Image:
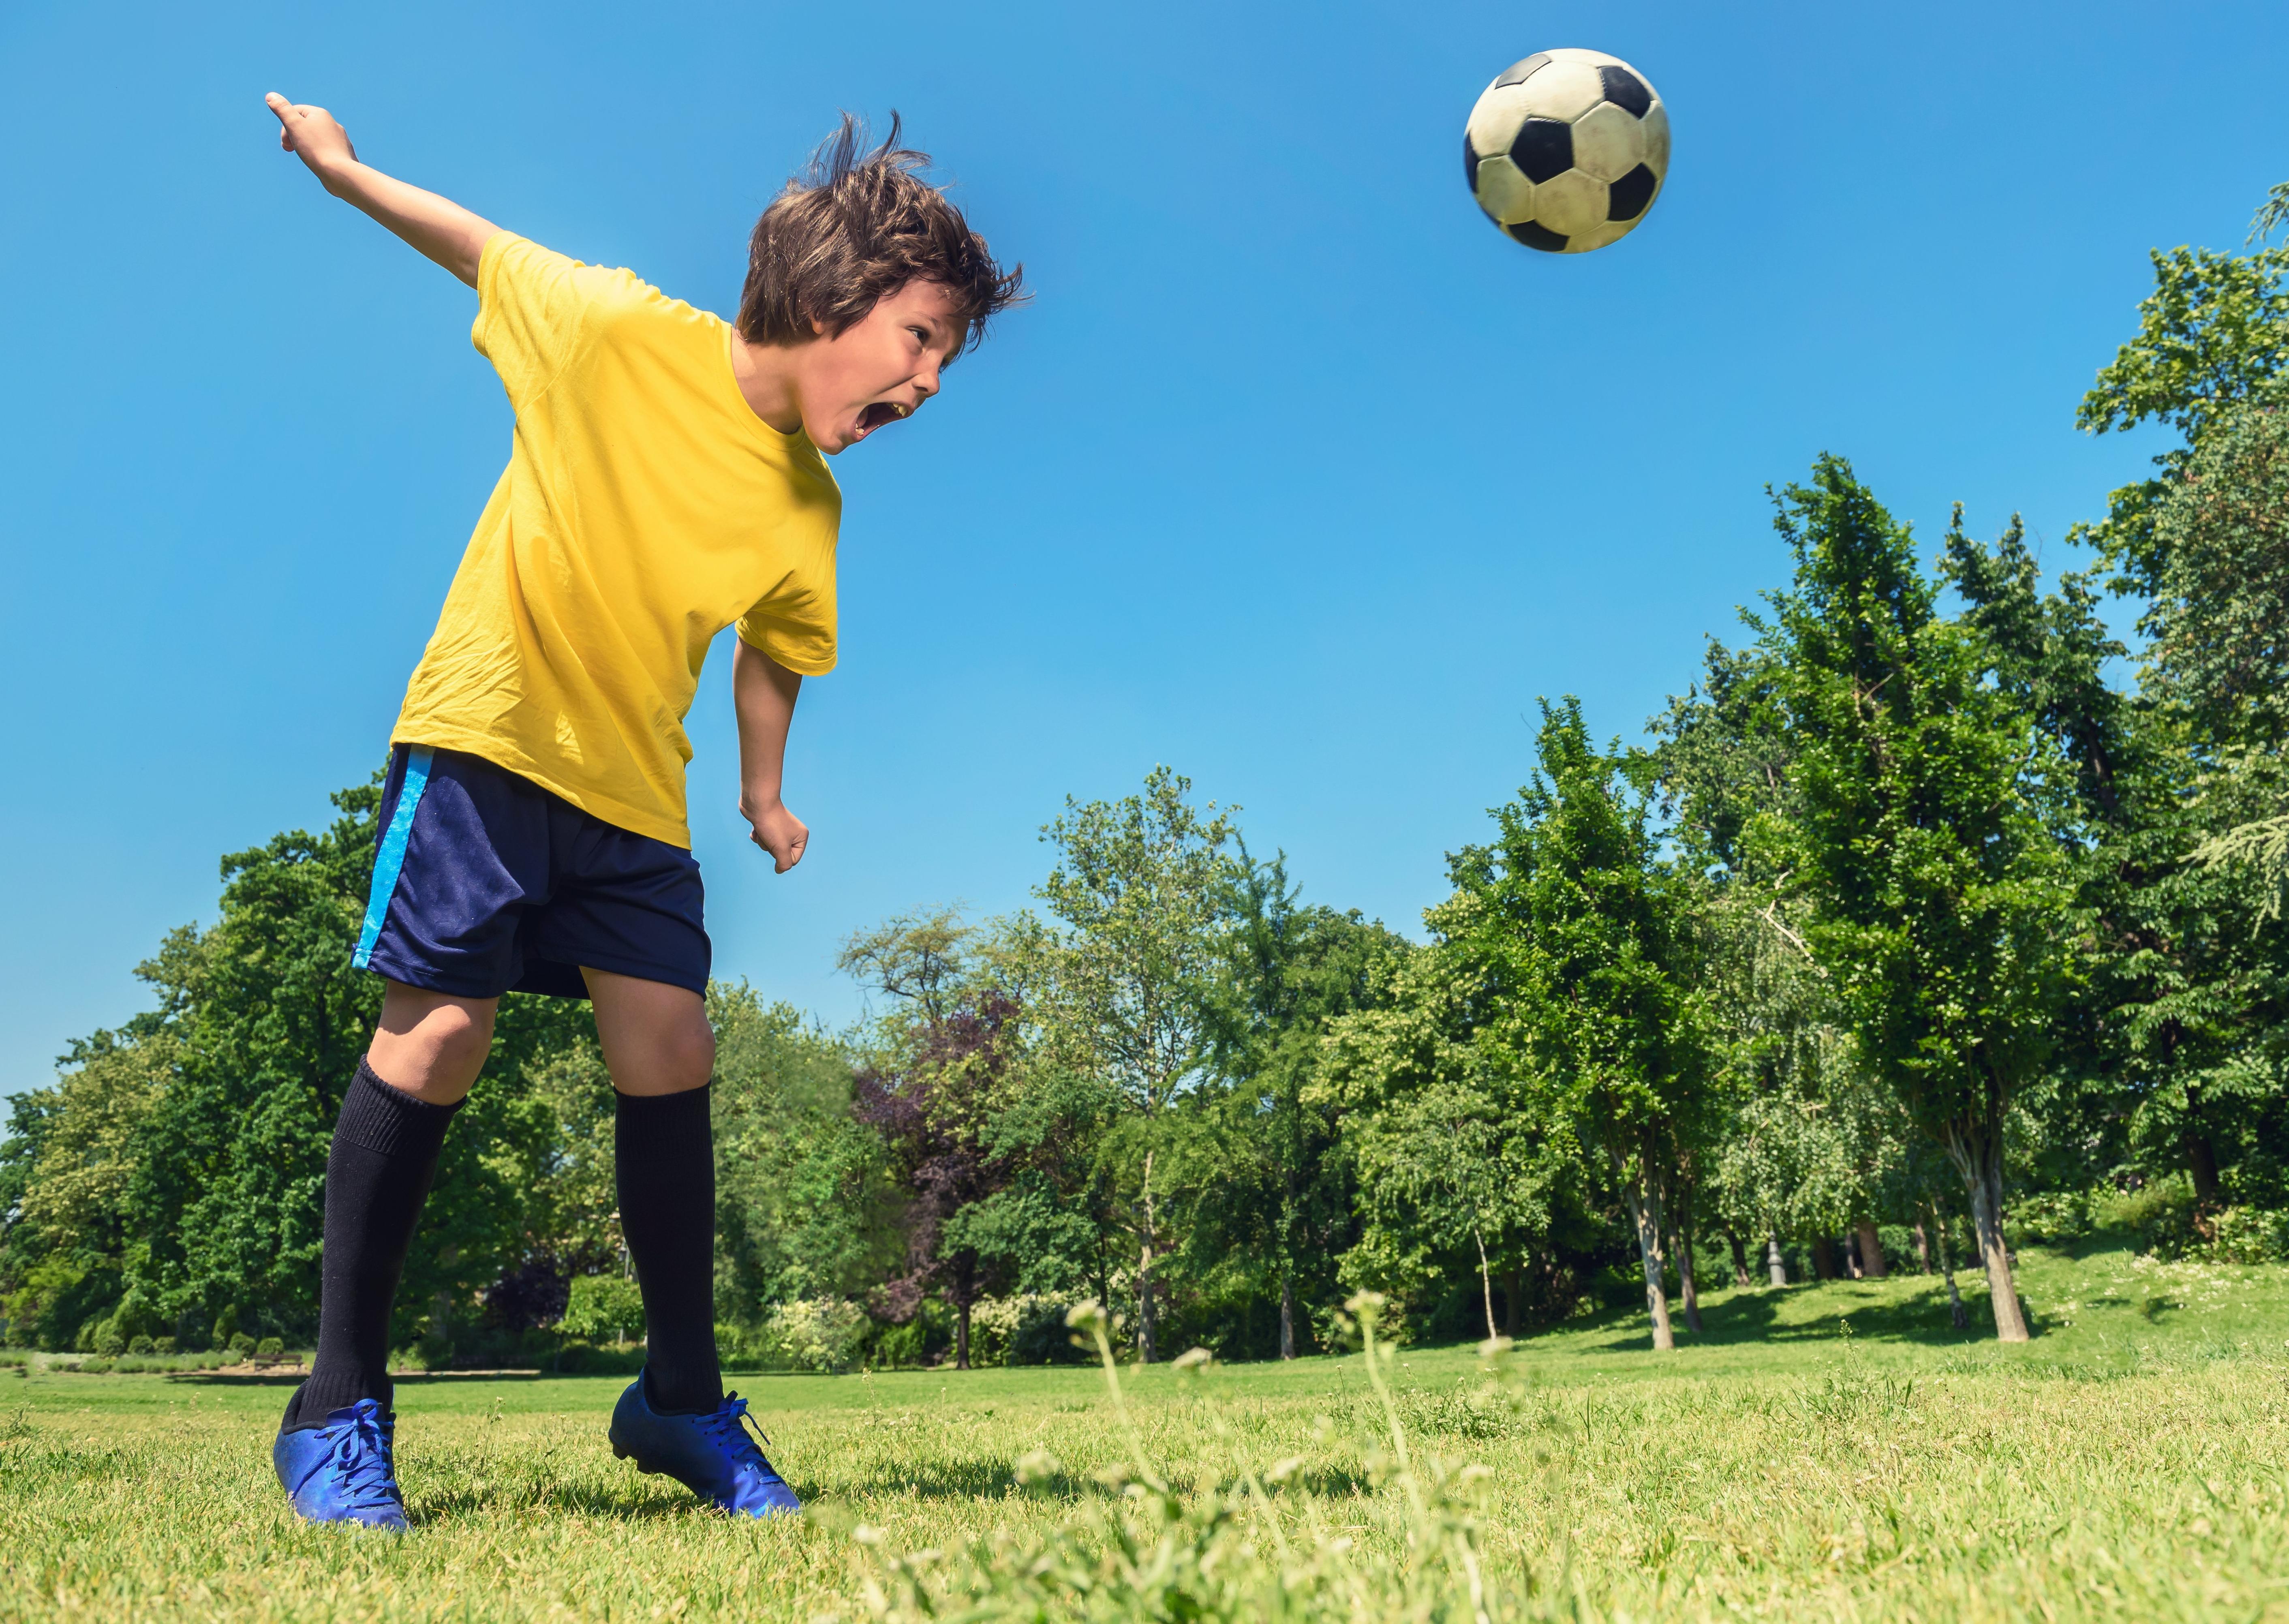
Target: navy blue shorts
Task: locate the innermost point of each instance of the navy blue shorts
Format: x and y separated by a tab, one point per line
485	883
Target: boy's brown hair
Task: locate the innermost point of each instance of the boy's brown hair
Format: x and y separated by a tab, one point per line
855	228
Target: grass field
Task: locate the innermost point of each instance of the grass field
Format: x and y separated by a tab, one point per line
1828	1452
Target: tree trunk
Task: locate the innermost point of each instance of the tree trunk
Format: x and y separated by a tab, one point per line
1645	1212
1286	1315
1775	1265
2201	1161
1923	1247
1871	1250
1823	1258
961	1334
1976	1149
1685	1282
1486	1283
1740	1261
1144	1273
1956	1311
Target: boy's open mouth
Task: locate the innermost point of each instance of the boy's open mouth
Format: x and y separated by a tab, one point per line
873	417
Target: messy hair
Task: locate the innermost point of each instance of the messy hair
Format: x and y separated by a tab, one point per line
855	228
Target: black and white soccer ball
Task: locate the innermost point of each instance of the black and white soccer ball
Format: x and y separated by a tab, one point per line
1567	150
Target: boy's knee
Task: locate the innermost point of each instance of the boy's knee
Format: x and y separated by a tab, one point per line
430	1044
692	1061
462	1035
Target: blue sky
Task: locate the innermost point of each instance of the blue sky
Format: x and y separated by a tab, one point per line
1298	475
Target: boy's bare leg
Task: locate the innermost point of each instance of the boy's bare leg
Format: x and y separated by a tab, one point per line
661	1052
655	1037
432	1045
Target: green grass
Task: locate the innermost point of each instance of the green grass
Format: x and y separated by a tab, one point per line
2127	1464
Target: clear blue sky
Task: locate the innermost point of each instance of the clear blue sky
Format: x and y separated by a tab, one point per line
1297	476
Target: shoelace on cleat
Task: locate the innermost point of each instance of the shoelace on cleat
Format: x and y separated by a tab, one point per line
360	1453
724	1427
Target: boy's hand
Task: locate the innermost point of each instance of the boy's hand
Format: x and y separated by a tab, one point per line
312	134
777	831
437	225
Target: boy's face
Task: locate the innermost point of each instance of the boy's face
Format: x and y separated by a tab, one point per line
879	370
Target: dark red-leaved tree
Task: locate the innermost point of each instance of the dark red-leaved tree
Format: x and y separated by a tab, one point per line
932	1107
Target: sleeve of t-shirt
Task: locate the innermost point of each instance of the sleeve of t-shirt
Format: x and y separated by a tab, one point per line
795	624
537	308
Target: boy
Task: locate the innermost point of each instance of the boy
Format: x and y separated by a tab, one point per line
665	481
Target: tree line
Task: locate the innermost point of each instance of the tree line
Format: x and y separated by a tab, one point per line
1930	908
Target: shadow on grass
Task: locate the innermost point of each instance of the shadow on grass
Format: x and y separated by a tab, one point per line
1874	1311
994	1480
646	1501
297	1376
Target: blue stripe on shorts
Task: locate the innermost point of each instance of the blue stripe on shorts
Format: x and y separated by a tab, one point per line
391	858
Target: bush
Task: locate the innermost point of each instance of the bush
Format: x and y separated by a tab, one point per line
1026	1329
164	1345
271	1348
142	1347
2245	1235
603	1307
241	1345
585	1359
897	1345
108	1341
819	1333
2048	1218
2158	1215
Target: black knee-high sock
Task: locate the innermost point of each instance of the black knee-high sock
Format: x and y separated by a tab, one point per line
385	1153
665	1152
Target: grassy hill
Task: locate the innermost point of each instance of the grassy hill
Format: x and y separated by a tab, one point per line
1822	1452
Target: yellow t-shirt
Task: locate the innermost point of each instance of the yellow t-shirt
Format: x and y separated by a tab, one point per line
644	508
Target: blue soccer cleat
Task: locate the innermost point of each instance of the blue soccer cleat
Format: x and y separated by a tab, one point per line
711	1455
342	1472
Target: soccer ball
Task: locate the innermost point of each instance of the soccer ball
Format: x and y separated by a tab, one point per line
1567	150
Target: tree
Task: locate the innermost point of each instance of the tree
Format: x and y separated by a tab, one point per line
1136	901
1940	897
941	1057
2186	880
2213	336
1273	1188
805	1201
1453	1168
1581	937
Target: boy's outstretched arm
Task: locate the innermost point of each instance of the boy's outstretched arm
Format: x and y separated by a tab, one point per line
763	692
437	225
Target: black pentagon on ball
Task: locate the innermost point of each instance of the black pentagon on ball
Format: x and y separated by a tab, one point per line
1523	69
1544	147
1626	89
1626	198
1537	237
1469	163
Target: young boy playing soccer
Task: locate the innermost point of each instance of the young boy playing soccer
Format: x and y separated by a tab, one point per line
665	481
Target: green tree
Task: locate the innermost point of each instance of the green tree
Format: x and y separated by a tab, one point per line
1454	1170
2185	1012
1271	1190
1126	964
1941	896
805	1206
1585	940
2213	336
